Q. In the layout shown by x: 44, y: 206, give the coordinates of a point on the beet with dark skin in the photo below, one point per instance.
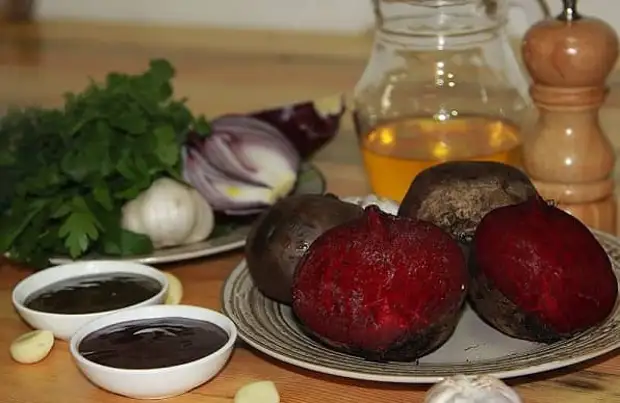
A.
x: 281, y: 236
x: 382, y: 287
x: 538, y: 273
x: 456, y: 195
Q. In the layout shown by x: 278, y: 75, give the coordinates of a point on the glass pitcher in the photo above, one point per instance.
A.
x: 442, y: 83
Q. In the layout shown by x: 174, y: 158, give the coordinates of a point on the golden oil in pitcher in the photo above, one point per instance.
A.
x: 395, y: 152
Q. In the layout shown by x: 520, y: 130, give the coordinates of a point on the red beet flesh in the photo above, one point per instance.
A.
x: 539, y: 274
x: 381, y: 287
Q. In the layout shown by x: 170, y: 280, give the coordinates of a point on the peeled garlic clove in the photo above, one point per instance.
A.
x: 32, y: 347
x: 175, y: 290
x: 472, y: 389
x: 258, y: 392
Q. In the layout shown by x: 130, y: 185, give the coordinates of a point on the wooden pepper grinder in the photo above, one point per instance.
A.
x: 568, y: 157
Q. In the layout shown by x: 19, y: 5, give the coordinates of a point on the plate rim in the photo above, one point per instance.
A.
x: 237, y: 241
x: 167, y: 258
x: 551, y: 365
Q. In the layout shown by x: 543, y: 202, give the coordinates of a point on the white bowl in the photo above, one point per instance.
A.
x: 157, y: 383
x: 64, y: 325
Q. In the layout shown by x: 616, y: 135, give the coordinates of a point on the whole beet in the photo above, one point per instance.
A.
x: 381, y: 287
x: 456, y: 195
x: 538, y: 273
x: 281, y: 235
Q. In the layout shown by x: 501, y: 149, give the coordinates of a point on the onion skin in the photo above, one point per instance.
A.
x: 309, y: 125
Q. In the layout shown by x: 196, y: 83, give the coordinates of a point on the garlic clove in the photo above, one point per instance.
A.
x: 175, y: 290
x: 32, y: 347
x: 258, y: 392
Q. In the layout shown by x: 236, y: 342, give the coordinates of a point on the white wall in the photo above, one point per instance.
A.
x: 325, y: 15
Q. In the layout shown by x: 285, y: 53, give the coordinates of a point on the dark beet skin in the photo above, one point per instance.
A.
x: 281, y: 235
x: 382, y: 287
x: 538, y: 273
x: 456, y: 195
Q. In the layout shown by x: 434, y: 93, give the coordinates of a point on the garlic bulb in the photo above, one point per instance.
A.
x: 472, y: 389
x: 205, y: 221
x: 170, y: 214
x: 386, y: 205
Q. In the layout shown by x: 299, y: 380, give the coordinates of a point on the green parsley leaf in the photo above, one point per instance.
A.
x: 126, y: 243
x: 167, y: 149
x: 101, y: 193
x: 79, y: 228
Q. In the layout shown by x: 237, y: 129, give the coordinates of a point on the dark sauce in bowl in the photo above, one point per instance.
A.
x: 93, y: 293
x: 153, y: 343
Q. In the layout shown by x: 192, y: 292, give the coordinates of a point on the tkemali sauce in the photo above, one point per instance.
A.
x: 153, y: 343
x: 94, y: 293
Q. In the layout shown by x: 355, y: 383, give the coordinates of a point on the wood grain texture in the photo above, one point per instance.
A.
x: 220, y: 71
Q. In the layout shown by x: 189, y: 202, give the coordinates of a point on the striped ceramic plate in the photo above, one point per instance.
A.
x: 475, y: 348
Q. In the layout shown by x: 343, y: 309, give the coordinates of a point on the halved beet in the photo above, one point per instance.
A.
x: 539, y: 274
x: 281, y: 236
x: 381, y: 287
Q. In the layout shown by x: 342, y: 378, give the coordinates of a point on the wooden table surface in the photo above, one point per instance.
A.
x: 221, y: 71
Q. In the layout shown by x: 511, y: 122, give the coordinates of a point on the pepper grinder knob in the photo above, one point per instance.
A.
x: 569, y: 13
x: 571, y: 50
x: 568, y: 157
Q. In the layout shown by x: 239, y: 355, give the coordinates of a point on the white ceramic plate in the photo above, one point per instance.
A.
x: 474, y: 348
x: 310, y: 181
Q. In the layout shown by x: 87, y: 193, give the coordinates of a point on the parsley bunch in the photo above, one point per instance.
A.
x: 65, y: 173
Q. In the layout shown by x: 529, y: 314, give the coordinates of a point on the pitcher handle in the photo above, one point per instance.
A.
x: 534, y: 10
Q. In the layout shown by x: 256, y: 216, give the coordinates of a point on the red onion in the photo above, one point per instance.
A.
x: 242, y: 166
